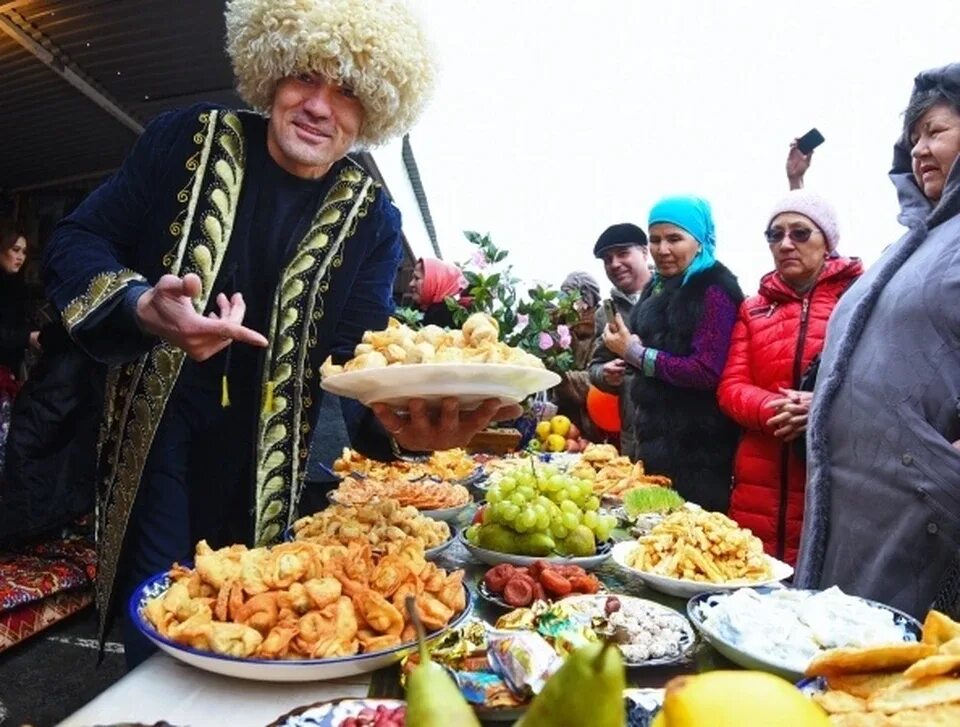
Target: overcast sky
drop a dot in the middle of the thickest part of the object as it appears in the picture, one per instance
(552, 120)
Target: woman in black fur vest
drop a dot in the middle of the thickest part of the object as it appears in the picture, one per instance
(683, 323)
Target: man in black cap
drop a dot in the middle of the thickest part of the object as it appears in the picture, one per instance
(623, 249)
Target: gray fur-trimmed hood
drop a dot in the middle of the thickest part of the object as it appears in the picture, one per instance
(914, 206)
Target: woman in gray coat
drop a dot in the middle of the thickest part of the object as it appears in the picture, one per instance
(883, 494)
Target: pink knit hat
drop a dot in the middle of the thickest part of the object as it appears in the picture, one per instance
(812, 205)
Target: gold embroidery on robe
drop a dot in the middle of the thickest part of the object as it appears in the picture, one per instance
(102, 289)
(139, 391)
(283, 434)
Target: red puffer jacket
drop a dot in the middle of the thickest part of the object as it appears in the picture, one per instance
(777, 334)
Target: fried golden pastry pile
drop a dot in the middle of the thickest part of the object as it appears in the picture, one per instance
(450, 464)
(696, 545)
(613, 474)
(386, 525)
(477, 342)
(302, 600)
(895, 685)
(423, 494)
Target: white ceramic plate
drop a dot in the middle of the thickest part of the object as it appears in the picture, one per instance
(332, 713)
(648, 700)
(759, 662)
(448, 515)
(688, 640)
(684, 588)
(468, 383)
(267, 670)
(492, 557)
(436, 551)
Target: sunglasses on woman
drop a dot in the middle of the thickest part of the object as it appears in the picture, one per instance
(797, 234)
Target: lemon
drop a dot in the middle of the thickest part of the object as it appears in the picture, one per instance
(560, 425)
(736, 698)
(543, 431)
(556, 443)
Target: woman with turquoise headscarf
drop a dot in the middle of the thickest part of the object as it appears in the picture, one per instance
(683, 323)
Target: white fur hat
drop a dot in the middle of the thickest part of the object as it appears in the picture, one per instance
(375, 47)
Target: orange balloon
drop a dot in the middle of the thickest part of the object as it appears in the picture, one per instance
(604, 409)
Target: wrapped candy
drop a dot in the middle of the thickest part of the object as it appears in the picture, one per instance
(523, 658)
(486, 688)
(567, 632)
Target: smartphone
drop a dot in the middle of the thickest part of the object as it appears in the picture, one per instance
(810, 141)
(610, 311)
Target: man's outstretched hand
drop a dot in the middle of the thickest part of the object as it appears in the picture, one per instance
(423, 430)
(166, 310)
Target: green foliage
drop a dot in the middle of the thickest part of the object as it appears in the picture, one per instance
(536, 322)
(413, 317)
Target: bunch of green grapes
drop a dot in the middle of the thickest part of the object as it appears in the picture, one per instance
(546, 500)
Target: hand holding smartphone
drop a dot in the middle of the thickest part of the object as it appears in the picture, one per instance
(610, 311)
(809, 141)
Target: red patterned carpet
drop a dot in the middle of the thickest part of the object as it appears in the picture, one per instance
(43, 584)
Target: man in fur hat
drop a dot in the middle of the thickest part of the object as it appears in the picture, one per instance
(217, 269)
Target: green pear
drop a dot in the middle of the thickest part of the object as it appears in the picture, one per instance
(496, 537)
(580, 542)
(433, 699)
(586, 690)
(538, 544)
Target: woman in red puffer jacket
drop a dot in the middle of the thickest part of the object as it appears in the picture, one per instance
(778, 334)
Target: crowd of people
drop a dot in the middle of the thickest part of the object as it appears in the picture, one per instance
(822, 412)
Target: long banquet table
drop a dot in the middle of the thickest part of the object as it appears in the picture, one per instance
(165, 689)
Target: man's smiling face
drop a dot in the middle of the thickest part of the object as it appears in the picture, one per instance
(313, 124)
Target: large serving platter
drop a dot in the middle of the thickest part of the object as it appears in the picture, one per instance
(766, 662)
(470, 384)
(267, 670)
(493, 557)
(682, 588)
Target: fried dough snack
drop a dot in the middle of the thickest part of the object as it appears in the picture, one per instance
(303, 600)
(385, 525)
(894, 685)
(697, 545)
(620, 475)
(421, 494)
(599, 455)
(450, 464)
(398, 344)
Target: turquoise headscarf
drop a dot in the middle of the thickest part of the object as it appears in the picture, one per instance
(694, 215)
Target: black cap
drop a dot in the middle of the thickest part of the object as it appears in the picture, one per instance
(621, 235)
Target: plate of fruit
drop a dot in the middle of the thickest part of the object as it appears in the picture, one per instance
(510, 586)
(602, 551)
(535, 511)
(558, 434)
(347, 713)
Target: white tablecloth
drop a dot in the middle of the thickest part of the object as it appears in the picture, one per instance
(163, 688)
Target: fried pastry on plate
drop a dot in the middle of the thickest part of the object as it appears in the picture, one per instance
(851, 660)
(863, 685)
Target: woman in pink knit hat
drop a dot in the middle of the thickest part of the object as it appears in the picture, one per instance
(779, 333)
(432, 283)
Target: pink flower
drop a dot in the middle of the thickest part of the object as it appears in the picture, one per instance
(479, 259)
(522, 320)
(545, 341)
(564, 333)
